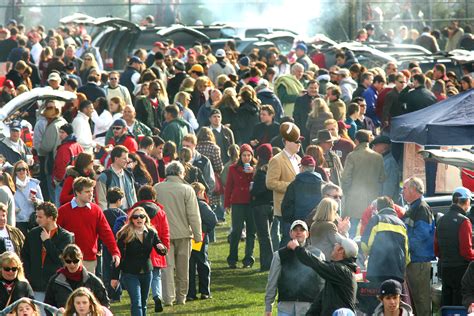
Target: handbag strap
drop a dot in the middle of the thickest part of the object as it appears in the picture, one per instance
(10, 296)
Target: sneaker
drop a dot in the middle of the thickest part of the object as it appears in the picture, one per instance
(232, 265)
(191, 298)
(205, 297)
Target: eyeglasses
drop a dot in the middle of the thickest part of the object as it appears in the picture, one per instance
(137, 216)
(21, 169)
(68, 261)
(8, 269)
(117, 128)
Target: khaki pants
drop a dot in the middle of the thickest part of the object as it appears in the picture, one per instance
(177, 259)
(418, 277)
(90, 266)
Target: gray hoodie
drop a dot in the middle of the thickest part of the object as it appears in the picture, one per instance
(406, 310)
(348, 86)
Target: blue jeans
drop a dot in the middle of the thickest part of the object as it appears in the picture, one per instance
(138, 288)
(156, 283)
(57, 194)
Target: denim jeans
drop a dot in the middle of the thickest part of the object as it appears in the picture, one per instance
(242, 213)
(156, 283)
(263, 216)
(57, 194)
(138, 288)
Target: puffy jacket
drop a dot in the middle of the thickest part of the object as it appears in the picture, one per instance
(370, 96)
(421, 230)
(244, 122)
(301, 196)
(59, 289)
(66, 154)
(348, 86)
(158, 219)
(175, 131)
(386, 234)
(237, 187)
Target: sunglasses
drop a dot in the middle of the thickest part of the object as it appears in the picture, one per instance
(113, 78)
(298, 142)
(8, 269)
(68, 261)
(137, 216)
(21, 169)
(117, 128)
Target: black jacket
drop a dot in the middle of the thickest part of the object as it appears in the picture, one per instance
(260, 195)
(301, 111)
(416, 99)
(59, 289)
(301, 197)
(39, 273)
(265, 133)
(267, 96)
(208, 217)
(136, 255)
(244, 121)
(341, 287)
(467, 284)
(173, 85)
(22, 289)
(92, 91)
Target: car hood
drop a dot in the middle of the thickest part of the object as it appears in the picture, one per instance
(24, 100)
(457, 158)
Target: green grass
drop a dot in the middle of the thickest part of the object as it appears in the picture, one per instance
(234, 292)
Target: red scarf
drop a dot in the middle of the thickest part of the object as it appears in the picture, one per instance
(76, 276)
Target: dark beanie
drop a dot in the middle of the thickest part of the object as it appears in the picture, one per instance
(67, 128)
(264, 153)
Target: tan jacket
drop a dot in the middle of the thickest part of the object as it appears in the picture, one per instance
(361, 180)
(181, 208)
(279, 176)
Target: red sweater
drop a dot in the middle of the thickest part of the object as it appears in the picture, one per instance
(88, 225)
(237, 187)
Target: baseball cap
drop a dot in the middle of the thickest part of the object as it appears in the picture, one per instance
(390, 287)
(119, 122)
(350, 247)
(244, 61)
(196, 68)
(463, 193)
(307, 160)
(302, 46)
(179, 65)
(135, 59)
(299, 222)
(15, 125)
(220, 53)
(158, 44)
(9, 84)
(215, 111)
(54, 76)
(381, 139)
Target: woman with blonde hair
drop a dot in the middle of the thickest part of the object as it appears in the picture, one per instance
(136, 239)
(191, 173)
(13, 284)
(200, 94)
(116, 107)
(187, 85)
(319, 114)
(88, 64)
(183, 98)
(45, 58)
(228, 105)
(326, 227)
(162, 94)
(82, 302)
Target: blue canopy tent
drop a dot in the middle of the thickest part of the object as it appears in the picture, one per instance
(446, 123)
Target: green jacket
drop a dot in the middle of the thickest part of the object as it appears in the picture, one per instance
(175, 131)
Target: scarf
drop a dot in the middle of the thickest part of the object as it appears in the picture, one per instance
(22, 184)
(8, 285)
(76, 276)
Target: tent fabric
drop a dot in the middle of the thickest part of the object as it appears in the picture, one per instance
(446, 123)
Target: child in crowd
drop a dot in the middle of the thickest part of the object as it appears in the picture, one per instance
(390, 302)
(199, 258)
(114, 197)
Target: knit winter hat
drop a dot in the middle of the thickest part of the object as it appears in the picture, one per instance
(264, 152)
(246, 147)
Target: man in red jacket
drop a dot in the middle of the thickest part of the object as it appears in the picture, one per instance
(87, 221)
(122, 136)
(66, 154)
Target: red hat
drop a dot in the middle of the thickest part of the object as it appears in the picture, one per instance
(246, 147)
(264, 152)
(191, 52)
(9, 84)
(308, 161)
(181, 49)
(341, 125)
(158, 44)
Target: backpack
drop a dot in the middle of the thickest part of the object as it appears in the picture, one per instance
(108, 181)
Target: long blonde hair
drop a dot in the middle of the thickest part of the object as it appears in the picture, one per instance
(95, 307)
(318, 106)
(128, 231)
(9, 257)
(326, 211)
(93, 62)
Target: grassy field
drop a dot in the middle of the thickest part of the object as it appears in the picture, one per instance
(234, 292)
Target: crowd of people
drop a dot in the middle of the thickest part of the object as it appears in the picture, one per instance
(122, 188)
